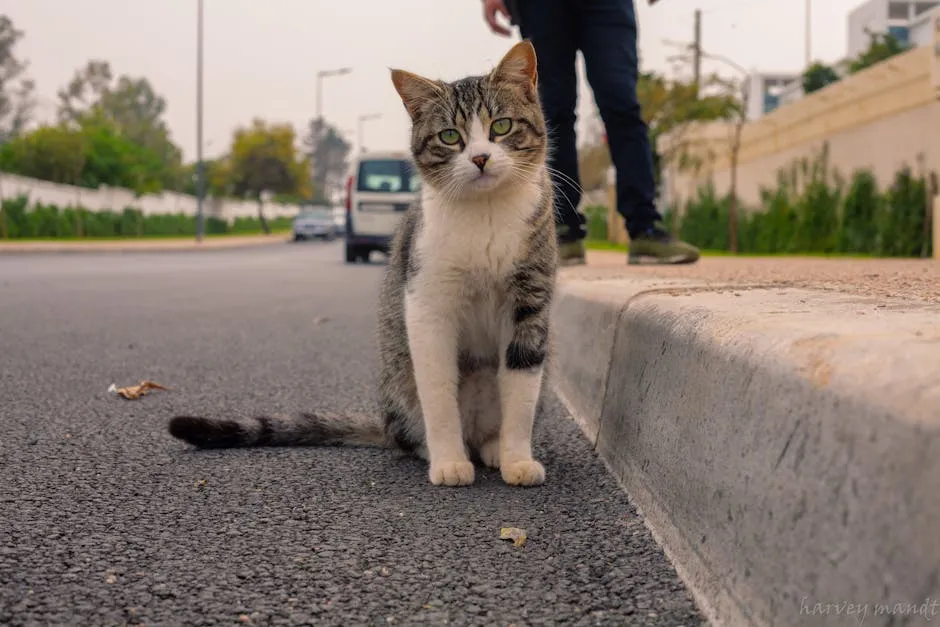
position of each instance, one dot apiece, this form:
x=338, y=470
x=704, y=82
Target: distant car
x=314, y=223
x=379, y=189
x=339, y=220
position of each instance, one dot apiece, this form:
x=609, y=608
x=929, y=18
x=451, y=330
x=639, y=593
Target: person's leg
x=550, y=26
x=607, y=37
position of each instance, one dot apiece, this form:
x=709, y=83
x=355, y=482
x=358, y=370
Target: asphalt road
x=106, y=520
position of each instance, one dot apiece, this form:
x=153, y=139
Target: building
x=912, y=22
x=901, y=18
x=764, y=91
x=921, y=30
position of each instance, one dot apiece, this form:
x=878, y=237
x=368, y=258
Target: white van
x=378, y=191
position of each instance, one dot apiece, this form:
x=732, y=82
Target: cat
x=464, y=308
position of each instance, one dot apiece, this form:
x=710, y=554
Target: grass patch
x=602, y=244
x=141, y=238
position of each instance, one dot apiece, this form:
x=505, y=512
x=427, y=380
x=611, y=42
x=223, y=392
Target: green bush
x=19, y=221
x=900, y=223
x=813, y=209
x=705, y=220
x=253, y=225
x=596, y=222
x=862, y=206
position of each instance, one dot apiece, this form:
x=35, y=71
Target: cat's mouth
x=485, y=181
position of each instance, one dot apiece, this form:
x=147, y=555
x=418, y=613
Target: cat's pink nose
x=480, y=160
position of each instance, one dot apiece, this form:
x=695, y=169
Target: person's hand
x=490, y=9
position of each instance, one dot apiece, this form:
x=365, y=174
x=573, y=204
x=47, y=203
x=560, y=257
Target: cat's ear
x=414, y=90
x=519, y=64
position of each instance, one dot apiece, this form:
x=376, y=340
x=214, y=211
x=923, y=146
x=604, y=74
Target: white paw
x=489, y=453
x=451, y=473
x=525, y=472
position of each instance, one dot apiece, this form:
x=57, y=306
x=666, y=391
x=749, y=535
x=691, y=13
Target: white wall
x=117, y=199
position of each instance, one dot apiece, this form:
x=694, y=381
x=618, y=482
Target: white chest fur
x=479, y=235
x=466, y=252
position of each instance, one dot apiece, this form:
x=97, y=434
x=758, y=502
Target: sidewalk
x=776, y=419
x=916, y=279
x=141, y=245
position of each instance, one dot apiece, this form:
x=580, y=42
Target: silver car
x=314, y=223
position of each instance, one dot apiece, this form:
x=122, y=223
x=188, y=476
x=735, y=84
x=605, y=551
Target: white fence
x=117, y=199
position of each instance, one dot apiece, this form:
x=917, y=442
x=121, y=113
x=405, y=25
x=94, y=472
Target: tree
x=672, y=107
x=114, y=159
x=50, y=153
x=817, y=76
x=16, y=91
x=91, y=156
x=668, y=107
x=881, y=47
x=329, y=153
x=739, y=95
x=217, y=173
x=264, y=159
x=129, y=106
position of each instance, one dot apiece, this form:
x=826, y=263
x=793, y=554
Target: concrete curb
x=783, y=444
x=138, y=246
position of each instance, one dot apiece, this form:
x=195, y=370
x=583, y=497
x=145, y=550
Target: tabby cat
x=464, y=307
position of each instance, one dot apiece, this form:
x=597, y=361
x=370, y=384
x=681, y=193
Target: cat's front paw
x=452, y=473
x=525, y=472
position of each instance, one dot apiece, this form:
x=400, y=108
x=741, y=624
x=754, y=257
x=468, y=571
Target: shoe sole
x=675, y=260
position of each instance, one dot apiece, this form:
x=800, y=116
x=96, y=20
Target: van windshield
x=387, y=175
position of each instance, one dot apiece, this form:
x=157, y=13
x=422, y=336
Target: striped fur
x=464, y=328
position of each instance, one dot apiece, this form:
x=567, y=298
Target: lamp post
x=326, y=74
x=318, y=120
x=359, y=135
x=809, y=32
x=200, y=166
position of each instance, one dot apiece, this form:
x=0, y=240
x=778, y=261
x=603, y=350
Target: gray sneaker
x=571, y=251
x=657, y=246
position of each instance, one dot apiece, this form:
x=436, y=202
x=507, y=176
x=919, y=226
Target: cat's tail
x=309, y=429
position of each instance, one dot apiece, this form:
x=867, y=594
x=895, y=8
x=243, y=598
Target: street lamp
x=326, y=74
x=318, y=120
x=364, y=118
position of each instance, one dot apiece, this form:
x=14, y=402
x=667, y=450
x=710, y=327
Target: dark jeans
x=605, y=32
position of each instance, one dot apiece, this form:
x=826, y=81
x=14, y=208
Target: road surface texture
x=106, y=520
x=911, y=279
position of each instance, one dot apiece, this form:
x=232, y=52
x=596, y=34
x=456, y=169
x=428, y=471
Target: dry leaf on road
x=133, y=392
x=513, y=533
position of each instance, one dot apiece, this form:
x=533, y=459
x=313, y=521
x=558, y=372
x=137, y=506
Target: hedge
x=18, y=220
x=812, y=209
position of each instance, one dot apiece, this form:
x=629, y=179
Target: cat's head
x=478, y=134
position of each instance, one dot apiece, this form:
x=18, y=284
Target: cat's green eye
x=501, y=126
x=449, y=136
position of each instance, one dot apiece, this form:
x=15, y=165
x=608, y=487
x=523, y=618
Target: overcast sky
x=261, y=56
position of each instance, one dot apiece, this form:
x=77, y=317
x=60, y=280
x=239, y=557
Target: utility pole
x=697, y=52
x=200, y=166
